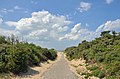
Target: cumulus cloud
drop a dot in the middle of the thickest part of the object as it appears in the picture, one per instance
(73, 35)
(79, 33)
(109, 25)
(84, 6)
(6, 32)
(48, 30)
(42, 24)
(109, 1)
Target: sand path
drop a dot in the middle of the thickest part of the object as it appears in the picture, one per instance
(60, 70)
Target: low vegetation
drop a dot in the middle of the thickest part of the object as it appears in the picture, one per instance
(16, 56)
(102, 55)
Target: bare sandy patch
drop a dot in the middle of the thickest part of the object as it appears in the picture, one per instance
(36, 72)
(78, 66)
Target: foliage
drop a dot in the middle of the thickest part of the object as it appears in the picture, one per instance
(16, 56)
(103, 51)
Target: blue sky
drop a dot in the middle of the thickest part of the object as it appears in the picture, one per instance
(58, 23)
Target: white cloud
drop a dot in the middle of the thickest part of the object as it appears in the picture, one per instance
(75, 28)
(37, 33)
(72, 35)
(17, 7)
(1, 20)
(78, 33)
(6, 32)
(48, 30)
(84, 6)
(109, 1)
(10, 10)
(42, 24)
(4, 10)
(34, 2)
(26, 11)
(109, 25)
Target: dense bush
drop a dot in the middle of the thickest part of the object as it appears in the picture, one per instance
(16, 56)
(103, 51)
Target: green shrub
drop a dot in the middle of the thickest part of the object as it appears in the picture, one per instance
(101, 74)
(92, 68)
(103, 52)
(111, 77)
(96, 73)
(16, 56)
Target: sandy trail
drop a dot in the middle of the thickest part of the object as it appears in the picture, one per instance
(60, 70)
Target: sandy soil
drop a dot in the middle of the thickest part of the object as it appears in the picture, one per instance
(60, 70)
(36, 72)
(78, 66)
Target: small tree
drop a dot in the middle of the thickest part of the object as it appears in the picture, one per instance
(104, 33)
(114, 34)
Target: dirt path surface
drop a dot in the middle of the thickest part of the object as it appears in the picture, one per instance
(60, 70)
